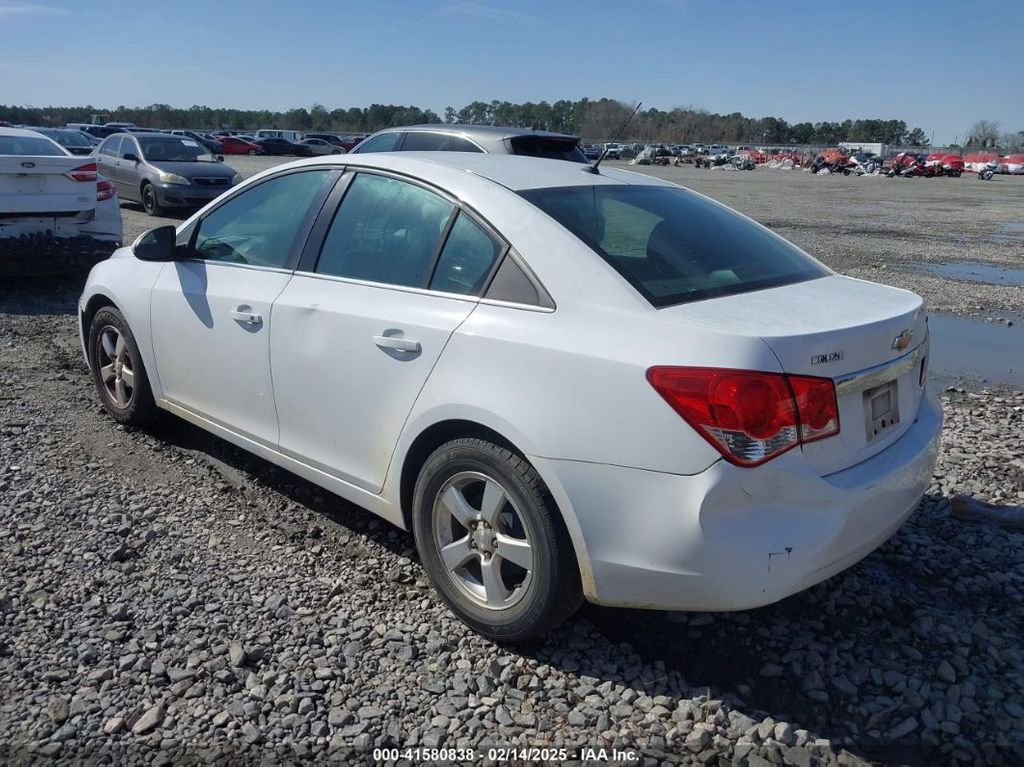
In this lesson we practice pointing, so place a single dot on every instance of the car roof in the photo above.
(20, 132)
(514, 172)
(479, 132)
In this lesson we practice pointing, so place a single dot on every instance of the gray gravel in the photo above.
(165, 598)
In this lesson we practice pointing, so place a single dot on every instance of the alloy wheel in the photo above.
(482, 540)
(115, 367)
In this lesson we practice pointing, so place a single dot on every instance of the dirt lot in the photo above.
(166, 598)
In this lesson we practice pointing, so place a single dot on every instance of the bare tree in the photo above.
(984, 134)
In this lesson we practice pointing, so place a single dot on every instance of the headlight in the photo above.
(174, 178)
(237, 179)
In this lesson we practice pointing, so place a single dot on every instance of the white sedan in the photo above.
(56, 212)
(320, 147)
(569, 385)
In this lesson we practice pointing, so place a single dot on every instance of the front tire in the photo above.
(492, 541)
(118, 371)
(150, 203)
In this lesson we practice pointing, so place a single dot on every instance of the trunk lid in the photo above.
(39, 185)
(869, 338)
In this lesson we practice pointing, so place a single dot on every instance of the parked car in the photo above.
(330, 138)
(238, 145)
(74, 141)
(319, 146)
(715, 422)
(592, 151)
(491, 139)
(56, 212)
(214, 145)
(163, 170)
(282, 146)
(290, 135)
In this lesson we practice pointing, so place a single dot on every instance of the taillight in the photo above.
(85, 172)
(104, 191)
(749, 417)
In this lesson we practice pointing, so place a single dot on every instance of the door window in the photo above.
(385, 142)
(467, 258)
(385, 230)
(260, 225)
(110, 147)
(128, 147)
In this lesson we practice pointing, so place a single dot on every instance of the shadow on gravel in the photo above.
(37, 296)
(779, 661)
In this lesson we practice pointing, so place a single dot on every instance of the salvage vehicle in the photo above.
(56, 212)
(491, 139)
(74, 141)
(238, 145)
(318, 146)
(569, 384)
(282, 146)
(161, 170)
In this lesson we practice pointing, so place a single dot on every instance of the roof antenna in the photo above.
(597, 162)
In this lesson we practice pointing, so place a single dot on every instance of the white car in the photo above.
(569, 385)
(320, 147)
(56, 213)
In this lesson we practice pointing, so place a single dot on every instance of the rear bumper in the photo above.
(34, 246)
(732, 538)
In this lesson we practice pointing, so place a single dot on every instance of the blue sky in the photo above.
(939, 65)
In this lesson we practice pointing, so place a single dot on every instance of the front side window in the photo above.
(672, 245)
(467, 258)
(260, 226)
(111, 147)
(385, 230)
(128, 147)
(385, 142)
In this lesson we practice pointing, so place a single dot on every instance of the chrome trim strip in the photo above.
(887, 371)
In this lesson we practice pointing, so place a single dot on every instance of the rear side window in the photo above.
(548, 148)
(385, 142)
(467, 258)
(385, 230)
(425, 141)
(672, 245)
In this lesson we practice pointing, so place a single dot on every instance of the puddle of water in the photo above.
(970, 271)
(975, 350)
(1012, 232)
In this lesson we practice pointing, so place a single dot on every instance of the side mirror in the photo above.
(220, 158)
(156, 245)
(130, 157)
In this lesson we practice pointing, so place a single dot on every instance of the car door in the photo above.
(108, 158)
(211, 311)
(127, 178)
(358, 329)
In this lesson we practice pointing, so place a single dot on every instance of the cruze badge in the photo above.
(902, 341)
(824, 359)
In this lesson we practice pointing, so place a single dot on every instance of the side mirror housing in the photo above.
(130, 157)
(156, 245)
(220, 158)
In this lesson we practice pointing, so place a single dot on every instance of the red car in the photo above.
(235, 145)
(952, 165)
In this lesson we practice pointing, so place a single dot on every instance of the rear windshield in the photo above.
(549, 148)
(32, 146)
(672, 245)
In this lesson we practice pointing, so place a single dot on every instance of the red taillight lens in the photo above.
(816, 407)
(749, 417)
(104, 191)
(85, 172)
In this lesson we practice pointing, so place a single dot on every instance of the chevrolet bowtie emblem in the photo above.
(902, 341)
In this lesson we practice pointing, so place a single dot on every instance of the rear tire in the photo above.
(492, 541)
(118, 370)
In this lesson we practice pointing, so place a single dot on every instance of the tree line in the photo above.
(593, 119)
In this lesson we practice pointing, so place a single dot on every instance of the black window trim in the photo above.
(318, 236)
(305, 228)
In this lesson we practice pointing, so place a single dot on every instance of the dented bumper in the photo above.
(733, 538)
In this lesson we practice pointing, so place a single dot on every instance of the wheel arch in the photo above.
(96, 302)
(439, 432)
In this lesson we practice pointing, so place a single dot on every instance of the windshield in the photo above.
(33, 146)
(167, 149)
(549, 148)
(672, 245)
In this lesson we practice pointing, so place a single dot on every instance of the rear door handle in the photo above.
(246, 315)
(398, 344)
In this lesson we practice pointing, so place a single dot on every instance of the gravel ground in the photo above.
(166, 598)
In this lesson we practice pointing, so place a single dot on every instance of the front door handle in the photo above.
(246, 315)
(398, 344)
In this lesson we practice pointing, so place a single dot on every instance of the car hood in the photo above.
(190, 169)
